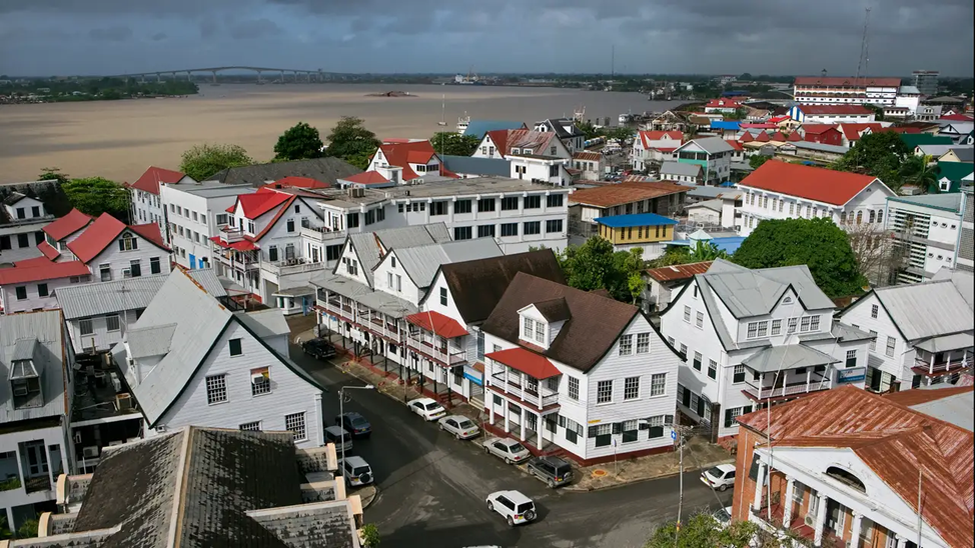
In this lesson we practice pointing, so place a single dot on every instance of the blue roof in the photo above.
(478, 128)
(637, 219)
(481, 167)
(729, 244)
(729, 124)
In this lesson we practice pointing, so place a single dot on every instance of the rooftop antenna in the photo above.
(864, 48)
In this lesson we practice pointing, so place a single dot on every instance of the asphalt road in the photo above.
(432, 487)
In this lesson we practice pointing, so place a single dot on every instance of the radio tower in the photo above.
(864, 63)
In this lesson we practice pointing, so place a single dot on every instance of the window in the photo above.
(251, 426)
(814, 323)
(485, 204)
(658, 384)
(235, 347)
(631, 430)
(554, 200)
(154, 265)
(105, 272)
(260, 381)
(296, 425)
(873, 341)
(554, 225)
(739, 374)
(804, 326)
(352, 220)
(752, 330)
(370, 218)
(86, 327)
(533, 202)
(631, 388)
(533, 227)
(642, 343)
(626, 345)
(135, 268)
(528, 329)
(399, 283)
(443, 296)
(683, 350)
(540, 332)
(851, 358)
(21, 292)
(874, 311)
(221, 219)
(216, 389)
(700, 320)
(733, 413)
(695, 291)
(604, 391)
(891, 346)
(687, 314)
(509, 203)
(602, 433)
(438, 208)
(485, 231)
(463, 233)
(112, 322)
(776, 327)
(713, 369)
(42, 290)
(128, 243)
(763, 328)
(792, 324)
(697, 360)
(509, 229)
(573, 388)
(21, 213)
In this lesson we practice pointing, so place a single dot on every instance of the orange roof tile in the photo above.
(812, 183)
(625, 193)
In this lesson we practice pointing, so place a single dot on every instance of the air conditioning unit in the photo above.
(257, 378)
(123, 401)
(810, 520)
(90, 452)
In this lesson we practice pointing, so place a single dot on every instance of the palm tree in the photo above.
(706, 251)
(919, 171)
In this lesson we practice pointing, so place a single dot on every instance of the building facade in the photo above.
(811, 90)
(927, 230)
(926, 81)
(627, 198)
(647, 231)
(147, 203)
(33, 284)
(195, 213)
(713, 154)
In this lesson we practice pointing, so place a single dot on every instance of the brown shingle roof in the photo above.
(625, 193)
(478, 285)
(893, 441)
(554, 310)
(594, 324)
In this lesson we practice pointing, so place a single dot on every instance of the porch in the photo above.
(938, 363)
(437, 337)
(786, 371)
(533, 429)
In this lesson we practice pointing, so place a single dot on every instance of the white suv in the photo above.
(514, 506)
(356, 471)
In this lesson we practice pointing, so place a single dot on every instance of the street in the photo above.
(432, 488)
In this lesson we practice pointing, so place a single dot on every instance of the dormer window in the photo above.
(787, 300)
(533, 331)
(128, 243)
(25, 381)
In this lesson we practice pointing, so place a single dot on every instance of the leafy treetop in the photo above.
(203, 161)
(352, 142)
(879, 154)
(96, 195)
(298, 143)
(595, 265)
(451, 143)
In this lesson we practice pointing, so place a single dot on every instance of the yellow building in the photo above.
(640, 228)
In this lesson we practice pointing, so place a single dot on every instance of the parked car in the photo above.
(354, 424)
(338, 436)
(552, 470)
(427, 408)
(506, 448)
(720, 477)
(723, 516)
(460, 426)
(319, 348)
(356, 471)
(514, 506)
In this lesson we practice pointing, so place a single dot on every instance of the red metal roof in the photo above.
(647, 136)
(103, 232)
(149, 181)
(763, 137)
(39, 269)
(404, 154)
(917, 397)
(239, 245)
(367, 178)
(48, 251)
(260, 202)
(834, 109)
(63, 227)
(507, 139)
(779, 137)
(841, 81)
(794, 137)
(297, 182)
(588, 156)
(896, 442)
(734, 144)
(852, 131)
(678, 272)
(957, 117)
(817, 129)
(526, 361)
(812, 183)
(747, 137)
(777, 119)
(438, 324)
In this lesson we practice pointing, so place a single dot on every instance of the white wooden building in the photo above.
(113, 250)
(195, 213)
(147, 203)
(33, 284)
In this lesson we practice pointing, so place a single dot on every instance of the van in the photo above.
(356, 471)
(340, 437)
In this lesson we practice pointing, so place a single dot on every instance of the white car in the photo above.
(719, 477)
(427, 408)
(460, 426)
(506, 448)
(515, 507)
(723, 516)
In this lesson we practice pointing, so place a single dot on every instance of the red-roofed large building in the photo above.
(723, 105)
(32, 284)
(654, 146)
(147, 205)
(831, 114)
(416, 161)
(62, 231)
(849, 468)
(813, 90)
(827, 134)
(780, 190)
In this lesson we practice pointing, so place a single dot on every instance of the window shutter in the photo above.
(753, 471)
(656, 432)
(728, 420)
(592, 432)
(617, 428)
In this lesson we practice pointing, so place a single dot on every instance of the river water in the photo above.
(119, 139)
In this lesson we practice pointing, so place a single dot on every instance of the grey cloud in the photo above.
(111, 34)
(254, 28)
(208, 28)
(158, 36)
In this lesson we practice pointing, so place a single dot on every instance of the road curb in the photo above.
(575, 489)
(370, 496)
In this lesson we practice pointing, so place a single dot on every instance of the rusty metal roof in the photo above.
(625, 193)
(678, 272)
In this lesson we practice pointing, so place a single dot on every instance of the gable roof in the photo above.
(926, 310)
(895, 442)
(477, 286)
(371, 247)
(559, 125)
(95, 299)
(589, 156)
(625, 193)
(647, 136)
(679, 168)
(149, 181)
(257, 204)
(105, 230)
(45, 329)
(40, 269)
(594, 325)
(812, 183)
(478, 128)
(367, 178)
(964, 153)
(852, 131)
(404, 154)
(328, 170)
(63, 227)
(680, 272)
(819, 129)
(422, 261)
(711, 145)
(508, 139)
(963, 280)
(954, 404)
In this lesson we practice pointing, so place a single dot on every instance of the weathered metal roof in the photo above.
(928, 309)
(749, 293)
(422, 262)
(963, 280)
(953, 404)
(47, 359)
(371, 246)
(944, 343)
(87, 300)
(265, 323)
(24, 349)
(678, 168)
(149, 341)
(790, 356)
(361, 293)
(482, 167)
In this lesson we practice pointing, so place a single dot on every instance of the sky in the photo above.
(68, 37)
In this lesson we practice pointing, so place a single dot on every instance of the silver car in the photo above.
(508, 449)
(460, 426)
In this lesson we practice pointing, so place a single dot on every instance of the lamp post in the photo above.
(342, 412)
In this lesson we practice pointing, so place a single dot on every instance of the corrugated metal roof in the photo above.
(944, 343)
(790, 356)
(265, 323)
(926, 310)
(711, 145)
(422, 262)
(947, 201)
(87, 300)
(678, 272)
(749, 293)
(482, 167)
(154, 340)
(678, 168)
(48, 360)
(24, 349)
(361, 293)
(367, 244)
(963, 280)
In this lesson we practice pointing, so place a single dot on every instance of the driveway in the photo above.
(432, 487)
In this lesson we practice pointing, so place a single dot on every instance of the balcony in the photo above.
(940, 365)
(527, 390)
(291, 266)
(335, 307)
(444, 355)
(323, 234)
(757, 392)
(231, 235)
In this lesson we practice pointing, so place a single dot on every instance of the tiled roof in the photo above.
(624, 193)
(595, 324)
(367, 178)
(894, 441)
(149, 181)
(40, 269)
(526, 361)
(260, 202)
(812, 183)
(678, 272)
(435, 322)
(103, 232)
(65, 226)
(840, 81)
(812, 110)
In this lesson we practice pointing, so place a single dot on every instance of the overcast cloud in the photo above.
(45, 37)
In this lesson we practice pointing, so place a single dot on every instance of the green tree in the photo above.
(702, 530)
(352, 142)
(620, 133)
(589, 130)
(879, 154)
(877, 110)
(706, 251)
(370, 535)
(298, 143)
(451, 143)
(28, 529)
(203, 161)
(97, 195)
(917, 170)
(757, 160)
(594, 265)
(817, 243)
(52, 174)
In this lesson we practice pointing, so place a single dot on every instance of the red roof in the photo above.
(647, 136)
(678, 272)
(367, 178)
(260, 202)
(526, 361)
(812, 183)
(852, 131)
(779, 136)
(39, 269)
(734, 144)
(404, 154)
(957, 117)
(239, 245)
(834, 109)
(794, 137)
(297, 182)
(847, 82)
(438, 324)
(746, 137)
(103, 232)
(149, 181)
(723, 103)
(589, 156)
(817, 129)
(777, 119)
(48, 251)
(758, 126)
(763, 137)
(60, 229)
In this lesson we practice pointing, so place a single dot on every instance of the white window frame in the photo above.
(642, 343)
(254, 426)
(626, 345)
(699, 322)
(793, 325)
(295, 423)
(891, 346)
(658, 385)
(86, 326)
(216, 387)
(687, 314)
(108, 323)
(631, 388)
(604, 396)
(572, 388)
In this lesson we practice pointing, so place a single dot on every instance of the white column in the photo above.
(790, 486)
(759, 481)
(507, 425)
(521, 419)
(541, 427)
(319, 422)
(820, 519)
(855, 530)
(901, 541)
(489, 402)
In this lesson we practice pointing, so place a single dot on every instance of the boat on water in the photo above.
(462, 123)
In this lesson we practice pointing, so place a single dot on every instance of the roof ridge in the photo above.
(179, 497)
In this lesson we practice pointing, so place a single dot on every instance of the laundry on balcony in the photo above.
(438, 324)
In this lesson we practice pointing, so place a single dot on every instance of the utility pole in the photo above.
(678, 434)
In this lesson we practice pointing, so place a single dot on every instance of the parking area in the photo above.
(432, 487)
